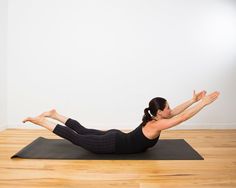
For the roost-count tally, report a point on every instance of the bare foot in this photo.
(38, 120)
(41, 121)
(52, 113)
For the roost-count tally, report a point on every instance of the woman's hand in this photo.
(208, 99)
(198, 96)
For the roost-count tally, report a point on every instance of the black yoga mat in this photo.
(165, 149)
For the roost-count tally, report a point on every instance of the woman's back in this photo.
(134, 141)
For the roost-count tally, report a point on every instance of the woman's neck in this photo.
(156, 118)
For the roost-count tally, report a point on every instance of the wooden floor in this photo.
(218, 169)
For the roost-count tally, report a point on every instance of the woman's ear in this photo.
(158, 112)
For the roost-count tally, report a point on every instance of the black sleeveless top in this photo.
(134, 141)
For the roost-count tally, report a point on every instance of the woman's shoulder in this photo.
(150, 130)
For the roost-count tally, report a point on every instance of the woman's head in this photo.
(158, 107)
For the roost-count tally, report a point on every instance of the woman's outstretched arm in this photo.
(180, 108)
(187, 114)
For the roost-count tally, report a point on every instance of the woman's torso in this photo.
(138, 140)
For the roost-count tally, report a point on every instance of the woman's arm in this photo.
(187, 114)
(180, 108)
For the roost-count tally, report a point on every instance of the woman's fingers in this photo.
(27, 119)
(216, 93)
(211, 97)
(194, 94)
(201, 94)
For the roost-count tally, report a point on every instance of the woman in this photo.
(146, 135)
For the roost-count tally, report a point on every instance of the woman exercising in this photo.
(157, 117)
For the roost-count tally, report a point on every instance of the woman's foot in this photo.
(51, 113)
(38, 120)
(41, 121)
(54, 115)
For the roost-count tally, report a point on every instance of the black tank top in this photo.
(134, 141)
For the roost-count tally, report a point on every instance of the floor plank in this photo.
(218, 169)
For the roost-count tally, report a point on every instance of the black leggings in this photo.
(96, 141)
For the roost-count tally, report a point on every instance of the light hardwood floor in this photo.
(218, 169)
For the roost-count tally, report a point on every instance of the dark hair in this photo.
(155, 104)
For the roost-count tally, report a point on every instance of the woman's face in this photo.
(166, 112)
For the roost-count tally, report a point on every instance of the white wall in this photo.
(3, 61)
(101, 62)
